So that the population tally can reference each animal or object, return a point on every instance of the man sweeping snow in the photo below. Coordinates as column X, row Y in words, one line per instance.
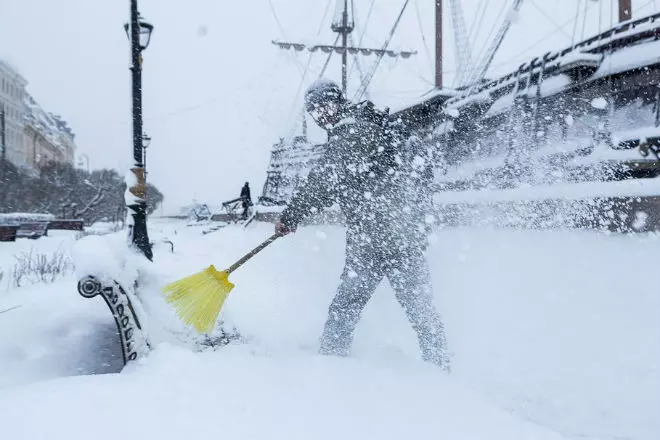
column 374, row 185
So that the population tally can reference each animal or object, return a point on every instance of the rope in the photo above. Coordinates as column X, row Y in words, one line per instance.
column 297, row 94
column 307, row 68
column 477, row 24
column 327, row 61
column 640, row 8
column 357, row 63
column 281, row 28
column 421, row 31
column 549, row 18
column 493, row 29
column 277, row 20
column 537, row 42
column 474, row 32
column 484, row 50
column 325, row 14
column 366, row 22
column 364, row 31
column 371, row 74
column 577, row 16
column 480, row 7
column 496, row 43
column 584, row 20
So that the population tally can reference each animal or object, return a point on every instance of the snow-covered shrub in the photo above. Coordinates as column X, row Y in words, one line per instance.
column 35, row 267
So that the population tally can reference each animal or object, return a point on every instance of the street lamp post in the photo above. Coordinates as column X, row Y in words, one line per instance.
column 146, row 141
column 139, row 33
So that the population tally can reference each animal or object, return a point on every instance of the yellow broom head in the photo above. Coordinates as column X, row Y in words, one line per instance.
column 198, row 298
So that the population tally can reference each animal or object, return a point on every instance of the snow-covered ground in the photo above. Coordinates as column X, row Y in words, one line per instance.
column 554, row 334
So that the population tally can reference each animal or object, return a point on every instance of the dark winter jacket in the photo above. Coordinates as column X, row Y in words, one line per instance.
column 365, row 172
column 245, row 194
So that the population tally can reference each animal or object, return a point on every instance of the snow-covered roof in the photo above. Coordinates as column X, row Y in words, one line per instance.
column 13, row 71
column 51, row 126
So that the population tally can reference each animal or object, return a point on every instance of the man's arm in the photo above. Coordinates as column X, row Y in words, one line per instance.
column 313, row 196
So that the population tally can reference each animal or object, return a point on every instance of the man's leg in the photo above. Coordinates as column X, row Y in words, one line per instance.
column 410, row 278
column 359, row 279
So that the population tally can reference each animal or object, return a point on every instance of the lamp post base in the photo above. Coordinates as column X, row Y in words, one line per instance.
column 138, row 230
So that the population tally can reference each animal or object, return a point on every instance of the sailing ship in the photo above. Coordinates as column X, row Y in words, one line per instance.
column 583, row 113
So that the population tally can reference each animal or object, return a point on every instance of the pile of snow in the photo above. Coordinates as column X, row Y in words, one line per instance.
column 237, row 394
column 555, row 334
column 48, row 332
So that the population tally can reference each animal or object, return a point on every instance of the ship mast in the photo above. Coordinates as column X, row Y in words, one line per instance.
column 438, row 44
column 625, row 10
column 344, row 27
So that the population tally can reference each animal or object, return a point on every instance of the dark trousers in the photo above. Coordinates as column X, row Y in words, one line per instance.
column 246, row 206
column 367, row 263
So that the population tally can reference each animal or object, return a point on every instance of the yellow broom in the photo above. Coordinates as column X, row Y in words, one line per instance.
column 198, row 298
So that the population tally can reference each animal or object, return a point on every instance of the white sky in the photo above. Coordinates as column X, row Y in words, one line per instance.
column 217, row 93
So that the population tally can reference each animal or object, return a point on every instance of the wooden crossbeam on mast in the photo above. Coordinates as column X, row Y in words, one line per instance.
column 344, row 26
column 327, row 48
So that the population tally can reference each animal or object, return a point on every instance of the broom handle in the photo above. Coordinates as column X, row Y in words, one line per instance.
column 253, row 252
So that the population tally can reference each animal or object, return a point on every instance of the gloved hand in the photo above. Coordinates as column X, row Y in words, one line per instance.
column 281, row 228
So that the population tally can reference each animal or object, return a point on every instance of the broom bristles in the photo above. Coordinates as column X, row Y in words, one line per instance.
column 197, row 299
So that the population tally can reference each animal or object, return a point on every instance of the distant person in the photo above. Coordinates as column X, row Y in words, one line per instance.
column 246, row 200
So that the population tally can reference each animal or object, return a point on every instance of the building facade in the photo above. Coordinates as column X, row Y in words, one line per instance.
column 12, row 96
column 33, row 136
column 47, row 137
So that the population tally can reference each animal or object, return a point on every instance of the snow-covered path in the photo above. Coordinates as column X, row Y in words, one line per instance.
column 560, row 329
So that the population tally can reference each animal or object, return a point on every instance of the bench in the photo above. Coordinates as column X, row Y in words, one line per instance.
column 66, row 225
column 32, row 230
column 8, row 232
